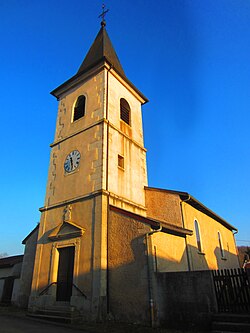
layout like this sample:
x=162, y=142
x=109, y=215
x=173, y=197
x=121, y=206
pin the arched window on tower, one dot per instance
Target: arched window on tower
x=124, y=111
x=79, y=108
x=198, y=236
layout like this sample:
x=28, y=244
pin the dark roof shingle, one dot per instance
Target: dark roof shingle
x=10, y=261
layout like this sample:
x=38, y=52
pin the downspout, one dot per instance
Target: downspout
x=150, y=277
x=183, y=224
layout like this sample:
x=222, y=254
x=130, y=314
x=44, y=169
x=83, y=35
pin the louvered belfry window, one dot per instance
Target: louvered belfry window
x=79, y=109
x=125, y=111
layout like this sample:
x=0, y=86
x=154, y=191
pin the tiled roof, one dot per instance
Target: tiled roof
x=10, y=261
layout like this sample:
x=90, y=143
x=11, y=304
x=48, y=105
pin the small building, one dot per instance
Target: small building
x=16, y=273
x=30, y=243
x=10, y=272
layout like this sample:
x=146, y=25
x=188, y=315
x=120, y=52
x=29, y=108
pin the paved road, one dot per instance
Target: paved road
x=22, y=324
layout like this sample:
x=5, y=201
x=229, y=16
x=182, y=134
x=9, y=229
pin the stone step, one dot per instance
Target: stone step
x=223, y=332
x=62, y=312
x=230, y=327
x=59, y=309
x=56, y=318
x=57, y=313
x=232, y=317
x=60, y=319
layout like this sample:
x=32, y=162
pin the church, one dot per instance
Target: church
x=104, y=234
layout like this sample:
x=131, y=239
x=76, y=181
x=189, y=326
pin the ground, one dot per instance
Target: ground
x=14, y=320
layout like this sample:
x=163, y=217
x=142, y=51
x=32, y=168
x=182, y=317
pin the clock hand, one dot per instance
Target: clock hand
x=71, y=162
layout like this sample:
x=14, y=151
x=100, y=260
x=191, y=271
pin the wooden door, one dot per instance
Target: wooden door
x=8, y=289
x=65, y=273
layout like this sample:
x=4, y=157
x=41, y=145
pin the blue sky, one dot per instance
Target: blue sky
x=189, y=57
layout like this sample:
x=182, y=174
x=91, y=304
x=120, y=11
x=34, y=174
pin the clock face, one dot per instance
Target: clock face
x=72, y=161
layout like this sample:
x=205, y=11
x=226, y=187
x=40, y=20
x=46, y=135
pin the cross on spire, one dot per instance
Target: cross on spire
x=102, y=15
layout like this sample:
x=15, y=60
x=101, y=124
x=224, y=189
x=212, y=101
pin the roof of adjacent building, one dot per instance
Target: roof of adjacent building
x=184, y=196
x=154, y=223
x=30, y=234
x=10, y=261
x=100, y=52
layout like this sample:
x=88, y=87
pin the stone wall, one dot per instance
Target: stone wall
x=186, y=299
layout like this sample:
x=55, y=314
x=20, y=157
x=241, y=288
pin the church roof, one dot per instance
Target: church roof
x=154, y=223
x=101, y=49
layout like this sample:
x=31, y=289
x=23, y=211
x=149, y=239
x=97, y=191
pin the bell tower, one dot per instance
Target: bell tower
x=97, y=159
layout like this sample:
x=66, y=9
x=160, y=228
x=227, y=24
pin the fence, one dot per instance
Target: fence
x=232, y=287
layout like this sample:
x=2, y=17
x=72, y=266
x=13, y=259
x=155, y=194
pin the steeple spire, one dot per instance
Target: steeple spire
x=101, y=50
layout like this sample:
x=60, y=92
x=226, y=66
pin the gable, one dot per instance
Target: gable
x=66, y=230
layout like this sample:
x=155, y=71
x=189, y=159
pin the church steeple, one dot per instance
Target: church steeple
x=100, y=54
x=100, y=51
x=97, y=160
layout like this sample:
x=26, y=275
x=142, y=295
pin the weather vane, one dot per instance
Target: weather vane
x=102, y=15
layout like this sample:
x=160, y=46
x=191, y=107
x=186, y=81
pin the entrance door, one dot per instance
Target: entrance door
x=8, y=289
x=65, y=273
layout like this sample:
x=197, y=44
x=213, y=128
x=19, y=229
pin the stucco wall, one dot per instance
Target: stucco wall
x=13, y=273
x=7, y=271
x=210, y=257
x=169, y=252
x=84, y=135
x=15, y=292
x=163, y=206
x=127, y=263
x=118, y=90
x=93, y=90
x=127, y=141
x=88, y=176
x=90, y=257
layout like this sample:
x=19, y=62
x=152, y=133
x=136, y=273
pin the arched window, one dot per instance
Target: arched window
x=79, y=109
x=124, y=111
x=221, y=245
x=198, y=236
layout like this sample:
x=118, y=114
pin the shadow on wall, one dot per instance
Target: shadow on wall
x=217, y=259
x=126, y=283
x=226, y=259
x=122, y=292
x=193, y=260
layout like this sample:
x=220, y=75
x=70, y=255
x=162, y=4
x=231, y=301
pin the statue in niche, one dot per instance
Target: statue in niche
x=67, y=213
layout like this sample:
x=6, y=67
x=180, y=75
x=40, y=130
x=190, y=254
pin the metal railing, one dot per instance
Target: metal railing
x=52, y=283
x=46, y=288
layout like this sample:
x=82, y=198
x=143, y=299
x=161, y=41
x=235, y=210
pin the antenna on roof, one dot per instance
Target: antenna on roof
x=102, y=15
